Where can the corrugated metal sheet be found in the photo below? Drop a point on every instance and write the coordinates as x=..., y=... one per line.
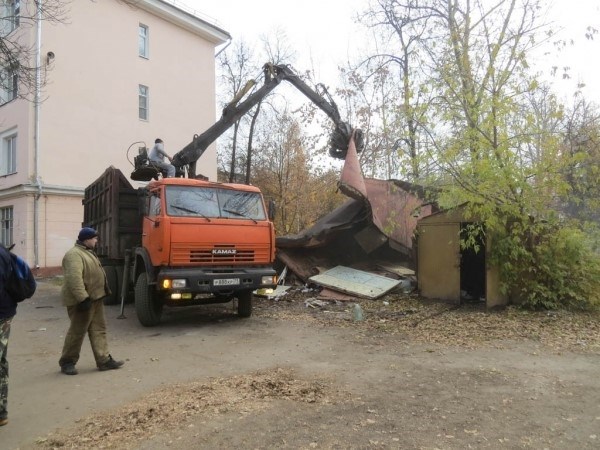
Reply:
x=352, y=281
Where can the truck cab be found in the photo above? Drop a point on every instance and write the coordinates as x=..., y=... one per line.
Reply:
x=202, y=242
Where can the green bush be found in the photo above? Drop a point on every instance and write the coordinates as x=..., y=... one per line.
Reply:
x=550, y=267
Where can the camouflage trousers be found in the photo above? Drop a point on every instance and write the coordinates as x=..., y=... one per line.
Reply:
x=91, y=322
x=4, y=333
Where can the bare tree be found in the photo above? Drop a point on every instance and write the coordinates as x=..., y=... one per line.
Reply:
x=20, y=72
x=237, y=72
x=400, y=32
x=277, y=50
x=240, y=67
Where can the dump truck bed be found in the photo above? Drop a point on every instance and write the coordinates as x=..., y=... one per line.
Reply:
x=111, y=206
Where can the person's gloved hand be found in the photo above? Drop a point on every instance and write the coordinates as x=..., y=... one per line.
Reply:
x=85, y=305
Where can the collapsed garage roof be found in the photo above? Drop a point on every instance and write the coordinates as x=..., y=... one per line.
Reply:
x=373, y=227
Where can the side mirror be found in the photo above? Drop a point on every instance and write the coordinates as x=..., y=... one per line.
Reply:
x=271, y=211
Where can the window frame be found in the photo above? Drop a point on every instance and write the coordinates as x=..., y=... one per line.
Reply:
x=144, y=41
x=11, y=10
x=9, y=85
x=145, y=97
x=8, y=153
x=7, y=225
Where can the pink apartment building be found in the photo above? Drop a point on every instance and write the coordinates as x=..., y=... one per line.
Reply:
x=117, y=72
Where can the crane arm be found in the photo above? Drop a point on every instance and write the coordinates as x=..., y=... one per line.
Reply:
x=273, y=75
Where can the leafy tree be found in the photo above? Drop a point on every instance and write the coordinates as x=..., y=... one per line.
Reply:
x=580, y=156
x=283, y=173
x=495, y=134
x=485, y=80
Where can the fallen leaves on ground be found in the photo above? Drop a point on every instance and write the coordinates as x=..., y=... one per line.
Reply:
x=170, y=408
x=467, y=325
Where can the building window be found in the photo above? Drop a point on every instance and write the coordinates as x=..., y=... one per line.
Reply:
x=8, y=155
x=10, y=10
x=9, y=82
x=143, y=41
x=6, y=226
x=143, y=102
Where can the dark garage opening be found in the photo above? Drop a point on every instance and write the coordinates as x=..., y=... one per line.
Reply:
x=472, y=270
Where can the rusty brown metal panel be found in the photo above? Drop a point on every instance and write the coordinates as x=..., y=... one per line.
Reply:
x=351, y=181
x=395, y=210
x=380, y=215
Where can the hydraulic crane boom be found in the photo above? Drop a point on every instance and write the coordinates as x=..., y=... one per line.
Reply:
x=273, y=74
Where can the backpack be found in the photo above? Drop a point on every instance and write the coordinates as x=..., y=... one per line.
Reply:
x=20, y=283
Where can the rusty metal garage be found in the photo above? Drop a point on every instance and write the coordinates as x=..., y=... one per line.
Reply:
x=445, y=271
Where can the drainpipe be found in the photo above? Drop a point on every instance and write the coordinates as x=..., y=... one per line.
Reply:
x=223, y=49
x=36, y=137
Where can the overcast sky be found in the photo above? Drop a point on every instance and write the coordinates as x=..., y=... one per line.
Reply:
x=323, y=33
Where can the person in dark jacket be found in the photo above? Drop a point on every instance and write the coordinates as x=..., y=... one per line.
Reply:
x=8, y=309
x=83, y=293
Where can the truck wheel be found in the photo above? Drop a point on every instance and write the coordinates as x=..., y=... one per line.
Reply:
x=147, y=307
x=244, y=303
x=113, y=285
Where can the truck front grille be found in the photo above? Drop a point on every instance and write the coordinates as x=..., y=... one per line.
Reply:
x=197, y=256
x=206, y=256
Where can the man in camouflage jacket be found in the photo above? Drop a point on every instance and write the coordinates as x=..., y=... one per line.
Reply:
x=8, y=309
x=83, y=293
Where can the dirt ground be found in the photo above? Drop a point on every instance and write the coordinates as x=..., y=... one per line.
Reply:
x=301, y=374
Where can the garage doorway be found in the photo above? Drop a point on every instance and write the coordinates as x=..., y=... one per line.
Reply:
x=472, y=269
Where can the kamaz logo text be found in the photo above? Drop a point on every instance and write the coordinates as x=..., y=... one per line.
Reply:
x=224, y=251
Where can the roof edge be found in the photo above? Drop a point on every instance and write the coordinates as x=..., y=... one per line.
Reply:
x=186, y=18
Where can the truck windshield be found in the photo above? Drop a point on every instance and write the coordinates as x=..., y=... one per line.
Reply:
x=214, y=202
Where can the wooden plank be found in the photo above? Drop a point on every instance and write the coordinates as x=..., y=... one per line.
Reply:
x=397, y=269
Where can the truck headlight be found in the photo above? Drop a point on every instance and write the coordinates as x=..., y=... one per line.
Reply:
x=271, y=279
x=173, y=284
x=178, y=284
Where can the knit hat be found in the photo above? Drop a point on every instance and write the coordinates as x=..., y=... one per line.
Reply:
x=86, y=233
x=158, y=141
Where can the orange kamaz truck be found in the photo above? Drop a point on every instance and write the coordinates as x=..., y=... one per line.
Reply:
x=181, y=241
x=186, y=240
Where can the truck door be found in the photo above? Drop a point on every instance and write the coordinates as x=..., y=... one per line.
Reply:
x=154, y=228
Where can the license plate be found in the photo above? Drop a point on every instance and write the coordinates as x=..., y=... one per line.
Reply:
x=226, y=282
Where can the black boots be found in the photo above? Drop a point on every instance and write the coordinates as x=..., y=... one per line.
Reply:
x=69, y=369
x=111, y=364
